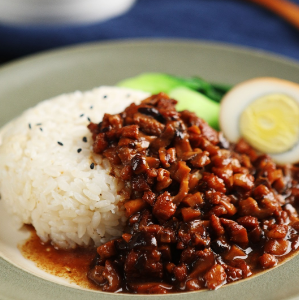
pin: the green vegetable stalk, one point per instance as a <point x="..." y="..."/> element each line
<point x="194" y="93"/>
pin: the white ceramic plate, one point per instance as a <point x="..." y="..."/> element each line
<point x="24" y="83"/>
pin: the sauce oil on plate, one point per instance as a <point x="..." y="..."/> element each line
<point x="69" y="264"/>
<point x="73" y="265"/>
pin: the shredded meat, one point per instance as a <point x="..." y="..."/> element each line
<point x="201" y="212"/>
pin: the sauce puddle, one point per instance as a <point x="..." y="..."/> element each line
<point x="74" y="264"/>
<point x="68" y="264"/>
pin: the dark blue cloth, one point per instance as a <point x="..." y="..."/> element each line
<point x="236" y="22"/>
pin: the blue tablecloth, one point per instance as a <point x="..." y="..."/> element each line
<point x="232" y="21"/>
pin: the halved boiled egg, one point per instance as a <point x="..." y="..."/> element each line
<point x="264" y="112"/>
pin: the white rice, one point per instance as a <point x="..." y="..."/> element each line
<point x="53" y="187"/>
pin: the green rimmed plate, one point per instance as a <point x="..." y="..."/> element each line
<point x="25" y="82"/>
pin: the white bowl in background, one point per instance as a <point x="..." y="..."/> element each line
<point x="57" y="12"/>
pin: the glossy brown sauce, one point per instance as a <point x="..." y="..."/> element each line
<point x="73" y="265"/>
<point x="201" y="212"/>
<point x="69" y="264"/>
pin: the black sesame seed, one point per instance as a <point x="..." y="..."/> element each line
<point x="88" y="119"/>
<point x="29" y="125"/>
<point x="84" y="139"/>
<point x="91" y="107"/>
<point x="105" y="96"/>
<point x="40" y="129"/>
<point x="81" y="115"/>
<point x="38" y="124"/>
<point x="92" y="166"/>
<point x="59" y="143"/>
<point x="79" y="150"/>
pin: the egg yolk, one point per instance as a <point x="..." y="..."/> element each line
<point x="271" y="123"/>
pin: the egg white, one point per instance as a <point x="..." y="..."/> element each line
<point x="238" y="98"/>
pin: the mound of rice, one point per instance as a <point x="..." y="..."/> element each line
<point x="46" y="177"/>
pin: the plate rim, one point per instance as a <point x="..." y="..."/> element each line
<point x="128" y="43"/>
<point x="233" y="47"/>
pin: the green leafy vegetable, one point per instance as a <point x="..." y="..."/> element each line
<point x="203" y="106"/>
<point x="192" y="93"/>
<point x="159" y="82"/>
